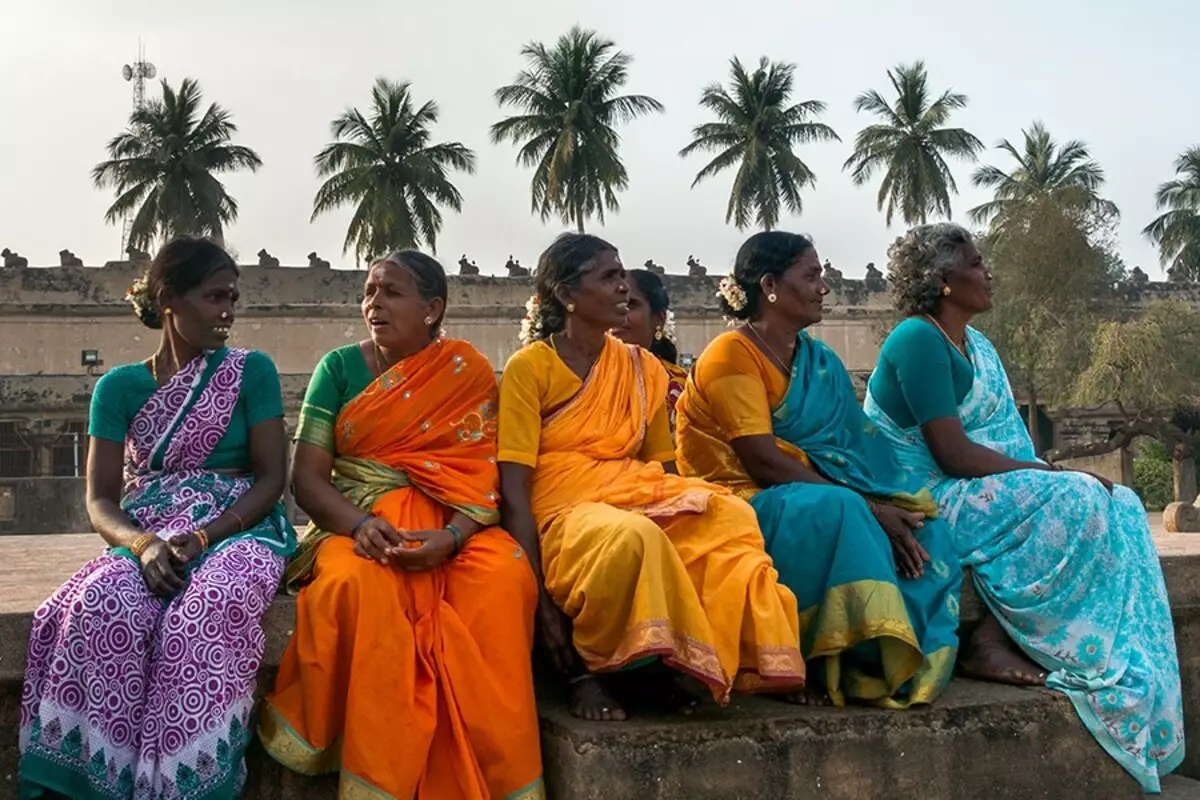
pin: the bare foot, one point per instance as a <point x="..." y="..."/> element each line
<point x="993" y="656"/>
<point x="591" y="700"/>
<point x="807" y="697"/>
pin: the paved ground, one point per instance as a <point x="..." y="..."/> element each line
<point x="32" y="566"/>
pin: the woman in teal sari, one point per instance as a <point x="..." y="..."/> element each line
<point x="771" y="413"/>
<point x="1064" y="560"/>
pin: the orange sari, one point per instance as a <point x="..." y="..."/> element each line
<point x="414" y="684"/>
<point x="646" y="563"/>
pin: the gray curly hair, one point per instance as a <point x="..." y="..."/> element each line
<point x="918" y="263"/>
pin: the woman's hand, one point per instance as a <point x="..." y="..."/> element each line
<point x="158" y="570"/>
<point x="185" y="547"/>
<point x="554" y="634"/>
<point x="435" y="548"/>
<point x="899" y="525"/>
<point x="1105" y="482"/>
<point x="374" y="537"/>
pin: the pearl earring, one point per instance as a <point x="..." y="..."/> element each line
<point x="570" y="308"/>
<point x="946" y="291"/>
<point x="772" y="297"/>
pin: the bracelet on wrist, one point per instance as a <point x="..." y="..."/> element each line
<point x="460" y="538"/>
<point x="360" y="523"/>
<point x="141" y="543"/>
<point x="202" y="535"/>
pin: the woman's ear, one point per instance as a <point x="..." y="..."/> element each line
<point x="562" y="293"/>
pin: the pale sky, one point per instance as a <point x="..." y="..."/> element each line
<point x="1119" y="75"/>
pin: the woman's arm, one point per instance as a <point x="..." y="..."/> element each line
<point x="315" y="493"/>
<point x="104" y="470"/>
<point x="516" y="513"/>
<point x="268" y="460"/>
<point x="768" y="466"/>
<point x="959" y="457"/>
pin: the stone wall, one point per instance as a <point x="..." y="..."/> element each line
<point x="49" y="316"/>
<point x="44" y="505"/>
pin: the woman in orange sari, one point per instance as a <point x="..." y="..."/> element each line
<point x="651" y="326"/>
<point x="636" y="564"/>
<point x="409" y="670"/>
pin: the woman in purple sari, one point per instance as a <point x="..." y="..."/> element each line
<point x="141" y="670"/>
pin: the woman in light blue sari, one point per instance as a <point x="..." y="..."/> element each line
<point x="1064" y="560"/>
<point x="771" y="413"/>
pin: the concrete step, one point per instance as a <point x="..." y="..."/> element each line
<point x="1177" y="787"/>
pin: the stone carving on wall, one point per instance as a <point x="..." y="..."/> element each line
<point x="515" y="270"/>
<point x="265" y="259"/>
<point x="316" y="262"/>
<point x="13" y="260"/>
<point x="137" y="256"/>
<point x="832" y="275"/>
<point x="68" y="259"/>
<point x="874" y="280"/>
<point x="1138" y="278"/>
<point x="1175" y="276"/>
<point x="695" y="268"/>
<point x="466" y="267"/>
<point x="655" y="268"/>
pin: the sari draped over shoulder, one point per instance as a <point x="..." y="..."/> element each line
<point x="645" y="562"/>
<point x="1041" y="544"/>
<point x="881" y="639"/>
<point x="130" y="695"/>
<point x="414" y="684"/>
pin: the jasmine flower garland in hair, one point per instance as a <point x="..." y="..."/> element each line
<point x="138" y="295"/>
<point x="669" y="327"/>
<point x="531" y="325"/>
<point x="732" y="293"/>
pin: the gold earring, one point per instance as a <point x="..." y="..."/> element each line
<point x="570" y="308"/>
<point x="658" y="333"/>
<point x="945" y="291"/>
<point x="771" y="298"/>
<point x="429" y="320"/>
<point x="166" y="312"/>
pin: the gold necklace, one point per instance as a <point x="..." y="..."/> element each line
<point x="770" y="350"/>
<point x="954" y="344"/>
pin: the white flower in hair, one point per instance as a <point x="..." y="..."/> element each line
<point x="732" y="292"/>
<point x="138" y="295"/>
<point x="668" y="328"/>
<point x="531" y="325"/>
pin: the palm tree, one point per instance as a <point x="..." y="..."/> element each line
<point x="912" y="145"/>
<point x="567" y="129"/>
<point x="164" y="167"/>
<point x="757" y="131"/>
<point x="386" y="165"/>
<point x="1066" y="175"/>
<point x="1177" y="231"/>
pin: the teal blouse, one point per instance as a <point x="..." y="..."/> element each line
<point x="341" y="375"/>
<point x="920" y="375"/>
<point x="121" y="392"/>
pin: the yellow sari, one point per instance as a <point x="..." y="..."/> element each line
<point x="646" y="563"/>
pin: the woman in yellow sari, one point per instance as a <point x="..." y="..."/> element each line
<point x="409" y="670"/>
<point x="636" y="564"/>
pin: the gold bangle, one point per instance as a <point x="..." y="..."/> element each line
<point x="202" y="535"/>
<point x="241" y="522"/>
<point x="141" y="543"/>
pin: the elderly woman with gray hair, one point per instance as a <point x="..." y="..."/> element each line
<point x="1063" y="560"/>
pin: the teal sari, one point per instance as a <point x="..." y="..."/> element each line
<point x="881" y="639"/>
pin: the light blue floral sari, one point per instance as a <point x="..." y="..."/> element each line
<point x="1070" y="571"/>
<point x="882" y="639"/>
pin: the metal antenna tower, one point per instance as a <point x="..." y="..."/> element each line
<point x="136" y="73"/>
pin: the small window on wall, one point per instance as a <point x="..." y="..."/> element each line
<point x="16" y="454"/>
<point x="68" y="454"/>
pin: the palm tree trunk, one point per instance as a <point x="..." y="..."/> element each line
<point x="579" y="220"/>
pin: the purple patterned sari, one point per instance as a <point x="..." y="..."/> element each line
<point x="130" y="696"/>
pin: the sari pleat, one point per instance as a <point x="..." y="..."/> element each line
<point x="414" y="684"/>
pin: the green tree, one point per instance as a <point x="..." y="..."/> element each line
<point x="1066" y="174"/>
<point x="1176" y="232"/>
<point x="911" y="144"/>
<point x="1053" y="287"/>
<point x="757" y="132"/>
<point x="567" y="129"/>
<point x="164" y="168"/>
<point x="1146" y="368"/>
<point x="385" y="164"/>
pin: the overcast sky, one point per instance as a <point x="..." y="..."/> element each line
<point x="1122" y="76"/>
